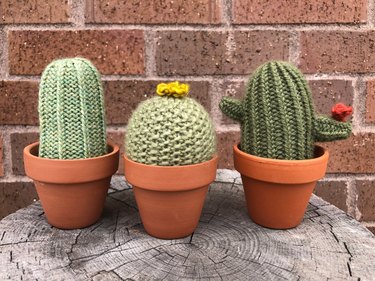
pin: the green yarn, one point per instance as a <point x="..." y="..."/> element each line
<point x="169" y="131"/>
<point x="71" y="111"/>
<point x="277" y="115"/>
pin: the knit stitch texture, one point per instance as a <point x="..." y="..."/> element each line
<point x="71" y="111"/>
<point x="170" y="131"/>
<point x="277" y="116"/>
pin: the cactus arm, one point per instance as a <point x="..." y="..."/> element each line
<point x="327" y="129"/>
<point x="232" y="108"/>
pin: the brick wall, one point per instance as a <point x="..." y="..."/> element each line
<point x="214" y="45"/>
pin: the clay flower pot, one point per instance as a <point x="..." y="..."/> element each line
<point x="170" y="198"/>
<point x="72" y="192"/>
<point x="277" y="191"/>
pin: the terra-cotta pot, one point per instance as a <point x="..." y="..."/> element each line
<point x="72" y="192"/>
<point x="170" y="198"/>
<point x="277" y="191"/>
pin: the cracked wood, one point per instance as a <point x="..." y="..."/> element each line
<point x="227" y="245"/>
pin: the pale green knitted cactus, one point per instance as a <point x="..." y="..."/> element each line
<point x="277" y="116"/>
<point x="170" y="131"/>
<point x="71" y="111"/>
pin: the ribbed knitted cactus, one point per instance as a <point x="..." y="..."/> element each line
<point x="170" y="130"/>
<point x="71" y="111"/>
<point x="277" y="115"/>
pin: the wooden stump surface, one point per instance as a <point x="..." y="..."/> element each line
<point x="227" y="245"/>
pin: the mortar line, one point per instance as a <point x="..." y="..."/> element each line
<point x="7" y="154"/>
<point x="3" y="54"/>
<point x="357" y="212"/>
<point x="15" y="178"/>
<point x="348" y="176"/>
<point x="351" y="198"/>
<point x="243" y="27"/>
<point x="19" y="128"/>
<point x="230" y="47"/>
<point x="294" y="47"/>
<point x="227" y="15"/>
<point x="77" y="12"/>
<point x="22" y="78"/>
<point x="358" y="105"/>
<point x="216" y="86"/>
<point x="371" y="13"/>
<point x="12" y="129"/>
<point x="334" y="178"/>
<point x="366" y="129"/>
<point x="150" y="52"/>
<point x="190" y="27"/>
<point x="205" y="77"/>
<point x="228" y="128"/>
<point x="225" y="26"/>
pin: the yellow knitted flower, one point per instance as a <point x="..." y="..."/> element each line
<point x="174" y="89"/>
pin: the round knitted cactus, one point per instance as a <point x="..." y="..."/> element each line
<point x="71" y="111"/>
<point x="277" y="115"/>
<point x="170" y="130"/>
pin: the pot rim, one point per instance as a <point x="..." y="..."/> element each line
<point x="280" y="170"/>
<point x="27" y="151"/>
<point x="273" y="161"/>
<point x="170" y="178"/>
<point x="69" y="171"/>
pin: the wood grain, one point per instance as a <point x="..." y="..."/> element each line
<point x="227" y="245"/>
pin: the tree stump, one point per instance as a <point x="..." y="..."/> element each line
<point x="227" y="245"/>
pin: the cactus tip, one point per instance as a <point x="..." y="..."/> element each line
<point x="174" y="89"/>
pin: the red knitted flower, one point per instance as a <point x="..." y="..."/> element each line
<point x="340" y="111"/>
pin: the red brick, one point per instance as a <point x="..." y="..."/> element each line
<point x="225" y="142"/>
<point x="19" y="103"/>
<point x="112" y="51"/>
<point x="18" y="142"/>
<point x="366" y="202"/>
<point x="334" y="192"/>
<point x="337" y="51"/>
<point x="284" y="11"/>
<point x="1" y="157"/>
<point x="213" y="52"/>
<point x="23" y="11"/>
<point x="353" y="155"/>
<point x="15" y="195"/>
<point x="154" y="12"/>
<point x="122" y="97"/>
<point x="326" y="93"/>
<point x="370" y="102"/>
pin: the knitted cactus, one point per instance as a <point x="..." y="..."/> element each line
<point x="170" y="130"/>
<point x="277" y="115"/>
<point x="71" y="111"/>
